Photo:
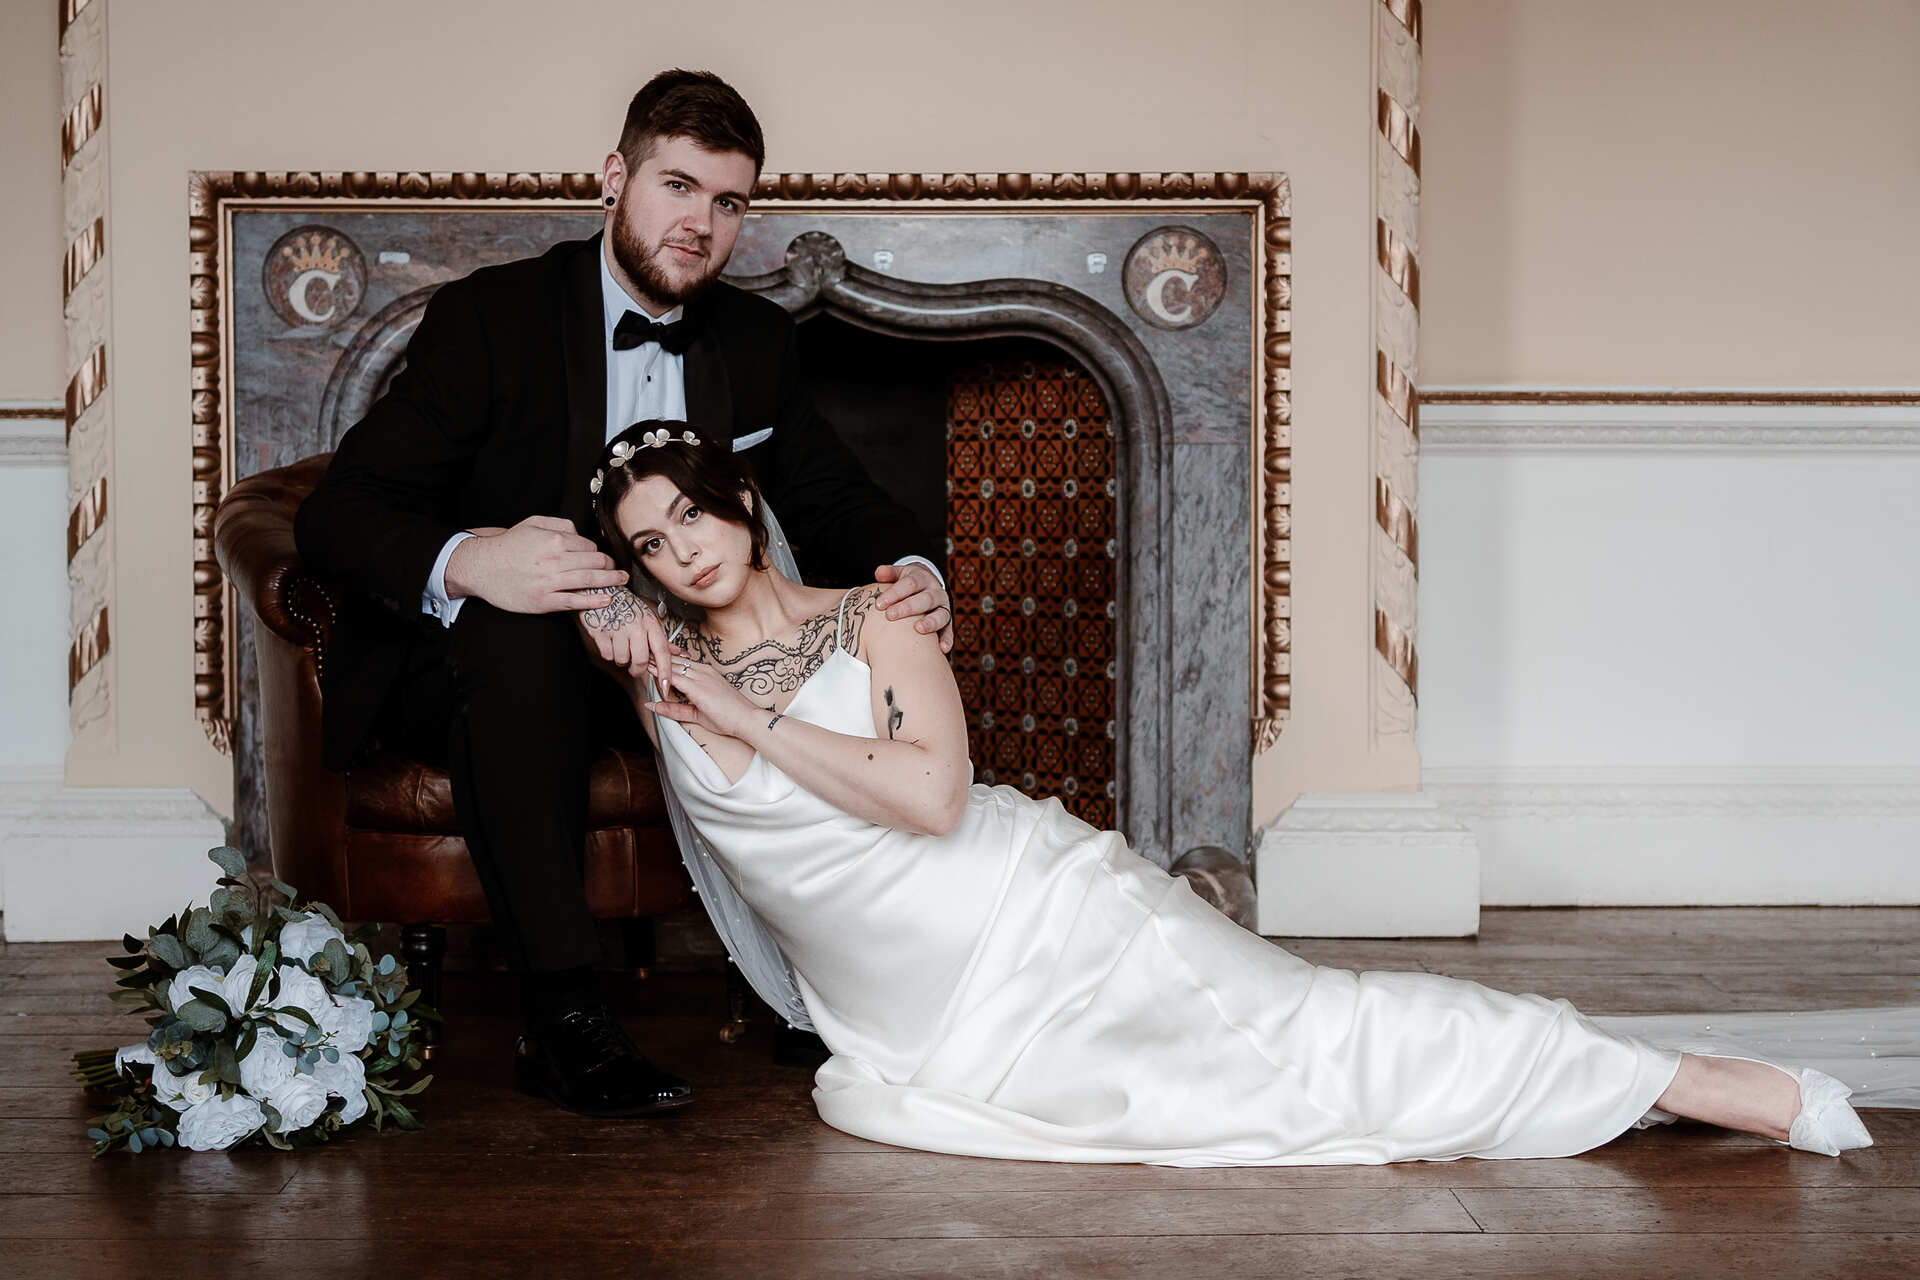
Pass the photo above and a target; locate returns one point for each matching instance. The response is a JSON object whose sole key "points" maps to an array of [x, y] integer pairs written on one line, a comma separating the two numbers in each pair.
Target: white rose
{"points": [[266, 1065], [181, 1092], [299, 1100], [302, 990], [350, 1023], [197, 976], [346, 1079], [132, 1053], [217, 1123], [307, 937], [238, 985]]}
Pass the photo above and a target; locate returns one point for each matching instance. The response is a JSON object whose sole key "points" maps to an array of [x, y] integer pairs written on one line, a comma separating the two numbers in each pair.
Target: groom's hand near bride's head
{"points": [[541, 565], [912, 589]]}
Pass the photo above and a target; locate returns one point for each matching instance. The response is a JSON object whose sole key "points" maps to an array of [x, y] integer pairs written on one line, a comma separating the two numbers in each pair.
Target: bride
{"points": [[995, 977]]}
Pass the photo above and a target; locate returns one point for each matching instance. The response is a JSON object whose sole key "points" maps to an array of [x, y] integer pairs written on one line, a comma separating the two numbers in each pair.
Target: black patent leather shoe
{"points": [[585, 1063]]}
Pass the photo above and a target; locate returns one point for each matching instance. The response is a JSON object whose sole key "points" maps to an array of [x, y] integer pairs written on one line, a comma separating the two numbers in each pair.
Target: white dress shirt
{"points": [[643, 382]]}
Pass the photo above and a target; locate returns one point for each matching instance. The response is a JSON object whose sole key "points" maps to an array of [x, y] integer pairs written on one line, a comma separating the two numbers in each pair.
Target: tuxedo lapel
{"points": [[709, 394], [584, 339]]}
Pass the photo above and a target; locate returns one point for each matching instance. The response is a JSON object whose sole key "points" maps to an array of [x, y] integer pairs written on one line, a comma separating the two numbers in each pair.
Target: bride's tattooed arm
{"points": [[621, 609], [911, 779]]}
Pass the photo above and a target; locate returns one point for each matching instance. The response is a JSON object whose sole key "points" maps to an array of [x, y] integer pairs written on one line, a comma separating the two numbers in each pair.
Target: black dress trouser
{"points": [[515, 709]]}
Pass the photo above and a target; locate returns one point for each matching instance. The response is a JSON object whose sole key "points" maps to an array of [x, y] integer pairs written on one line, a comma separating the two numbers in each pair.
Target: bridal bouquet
{"points": [[268, 1022]]}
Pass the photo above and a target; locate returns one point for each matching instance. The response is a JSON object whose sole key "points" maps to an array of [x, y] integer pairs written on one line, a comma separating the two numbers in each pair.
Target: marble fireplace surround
{"points": [[1171, 728]]}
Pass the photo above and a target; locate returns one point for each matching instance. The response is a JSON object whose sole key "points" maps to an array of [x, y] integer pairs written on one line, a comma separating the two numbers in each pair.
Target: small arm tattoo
{"points": [[895, 716], [622, 607], [778, 716]]}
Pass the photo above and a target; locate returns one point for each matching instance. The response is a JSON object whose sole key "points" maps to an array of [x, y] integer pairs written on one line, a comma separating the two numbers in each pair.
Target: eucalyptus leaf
{"points": [[288, 914], [98, 1135], [295, 1011], [213, 998], [226, 1062], [222, 954], [133, 1142], [284, 889], [133, 945], [413, 1088], [230, 860], [169, 951], [402, 1115], [126, 962], [199, 933], [140, 997], [202, 1016], [327, 912]]}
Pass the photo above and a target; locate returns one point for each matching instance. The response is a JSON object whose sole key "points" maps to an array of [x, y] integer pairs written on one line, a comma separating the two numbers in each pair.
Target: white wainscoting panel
{"points": [[1671, 653]]}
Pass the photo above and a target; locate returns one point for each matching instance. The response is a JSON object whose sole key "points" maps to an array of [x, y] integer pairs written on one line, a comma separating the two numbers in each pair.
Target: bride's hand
{"points": [[710, 701]]}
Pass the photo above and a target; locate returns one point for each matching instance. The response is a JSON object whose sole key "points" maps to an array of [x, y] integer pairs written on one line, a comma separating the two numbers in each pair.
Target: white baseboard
{"points": [[1367, 866], [1690, 837], [92, 863]]}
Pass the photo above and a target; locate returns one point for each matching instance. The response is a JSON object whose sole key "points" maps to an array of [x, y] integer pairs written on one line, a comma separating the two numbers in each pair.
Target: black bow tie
{"points": [[635, 329]]}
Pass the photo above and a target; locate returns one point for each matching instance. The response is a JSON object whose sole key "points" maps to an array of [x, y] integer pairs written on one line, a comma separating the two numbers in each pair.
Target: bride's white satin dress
{"points": [[1028, 987]]}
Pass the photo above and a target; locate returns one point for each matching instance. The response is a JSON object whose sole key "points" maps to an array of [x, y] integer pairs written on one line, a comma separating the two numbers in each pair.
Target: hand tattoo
{"points": [[622, 607]]}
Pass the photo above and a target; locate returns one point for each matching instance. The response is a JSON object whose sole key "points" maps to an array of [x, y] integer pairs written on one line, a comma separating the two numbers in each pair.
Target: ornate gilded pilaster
{"points": [[1395, 681], [83, 154]]}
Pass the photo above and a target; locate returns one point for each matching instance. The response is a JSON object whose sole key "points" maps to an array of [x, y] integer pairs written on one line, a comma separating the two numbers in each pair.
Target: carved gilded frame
{"points": [[213, 196]]}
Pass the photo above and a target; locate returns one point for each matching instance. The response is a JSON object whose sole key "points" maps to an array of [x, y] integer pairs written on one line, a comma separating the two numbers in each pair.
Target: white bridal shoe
{"points": [[1826, 1123]]}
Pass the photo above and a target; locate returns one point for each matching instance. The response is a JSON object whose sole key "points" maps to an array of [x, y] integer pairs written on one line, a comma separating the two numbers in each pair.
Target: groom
{"points": [[460, 503]]}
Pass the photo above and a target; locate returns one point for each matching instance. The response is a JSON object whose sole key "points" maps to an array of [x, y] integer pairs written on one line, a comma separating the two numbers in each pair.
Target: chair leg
{"points": [[638, 941], [738, 996], [423, 947]]}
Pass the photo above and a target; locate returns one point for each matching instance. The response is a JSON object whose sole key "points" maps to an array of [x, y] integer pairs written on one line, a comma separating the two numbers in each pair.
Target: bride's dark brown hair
{"points": [[708, 471]]}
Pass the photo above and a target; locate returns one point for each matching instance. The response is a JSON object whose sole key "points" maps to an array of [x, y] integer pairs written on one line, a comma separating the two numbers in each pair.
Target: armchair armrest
{"points": [[253, 541]]}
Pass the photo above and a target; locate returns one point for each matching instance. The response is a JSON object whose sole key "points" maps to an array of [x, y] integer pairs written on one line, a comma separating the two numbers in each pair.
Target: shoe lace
{"points": [[599, 1035]]}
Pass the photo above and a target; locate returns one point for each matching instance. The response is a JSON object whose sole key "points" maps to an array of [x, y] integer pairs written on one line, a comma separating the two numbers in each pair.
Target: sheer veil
{"points": [[748, 943], [1875, 1052]]}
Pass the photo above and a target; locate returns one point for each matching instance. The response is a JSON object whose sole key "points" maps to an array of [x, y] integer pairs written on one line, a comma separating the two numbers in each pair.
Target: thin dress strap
{"points": [[839, 619]]}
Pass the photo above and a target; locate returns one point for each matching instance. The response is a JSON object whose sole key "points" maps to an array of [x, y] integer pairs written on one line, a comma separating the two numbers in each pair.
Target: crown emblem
{"points": [[313, 252], [1174, 251]]}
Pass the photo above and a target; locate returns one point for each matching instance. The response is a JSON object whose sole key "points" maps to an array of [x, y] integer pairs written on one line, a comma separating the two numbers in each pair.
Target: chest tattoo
{"points": [[765, 671]]}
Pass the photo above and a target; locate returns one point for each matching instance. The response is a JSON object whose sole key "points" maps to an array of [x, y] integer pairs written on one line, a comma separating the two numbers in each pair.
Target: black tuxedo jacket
{"points": [[500, 414]]}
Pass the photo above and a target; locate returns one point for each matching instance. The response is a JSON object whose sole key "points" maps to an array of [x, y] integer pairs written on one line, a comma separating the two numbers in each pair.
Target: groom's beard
{"points": [[643, 265]]}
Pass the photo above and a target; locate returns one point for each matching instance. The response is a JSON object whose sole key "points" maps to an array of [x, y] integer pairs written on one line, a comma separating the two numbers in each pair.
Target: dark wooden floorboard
{"points": [[750, 1182]]}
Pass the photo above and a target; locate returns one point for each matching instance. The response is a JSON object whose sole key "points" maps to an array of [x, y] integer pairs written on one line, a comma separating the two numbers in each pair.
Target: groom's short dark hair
{"points": [[690, 104]]}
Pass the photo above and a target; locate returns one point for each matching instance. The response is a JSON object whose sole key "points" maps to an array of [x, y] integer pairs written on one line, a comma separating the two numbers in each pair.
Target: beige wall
{"points": [[997, 85], [33, 343], [1634, 194], [1642, 193]]}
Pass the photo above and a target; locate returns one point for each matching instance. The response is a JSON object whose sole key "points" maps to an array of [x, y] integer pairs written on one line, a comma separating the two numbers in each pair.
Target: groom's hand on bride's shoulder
{"points": [[911, 589]]}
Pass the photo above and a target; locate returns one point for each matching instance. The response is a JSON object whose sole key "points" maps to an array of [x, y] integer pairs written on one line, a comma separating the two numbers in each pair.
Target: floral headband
{"points": [[624, 450]]}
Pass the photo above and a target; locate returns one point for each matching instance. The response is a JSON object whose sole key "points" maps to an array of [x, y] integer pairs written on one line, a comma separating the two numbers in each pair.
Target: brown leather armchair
{"points": [[381, 841]]}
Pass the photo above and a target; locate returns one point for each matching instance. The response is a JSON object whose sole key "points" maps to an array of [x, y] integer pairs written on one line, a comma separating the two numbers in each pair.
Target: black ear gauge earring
{"points": [[609, 202]]}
